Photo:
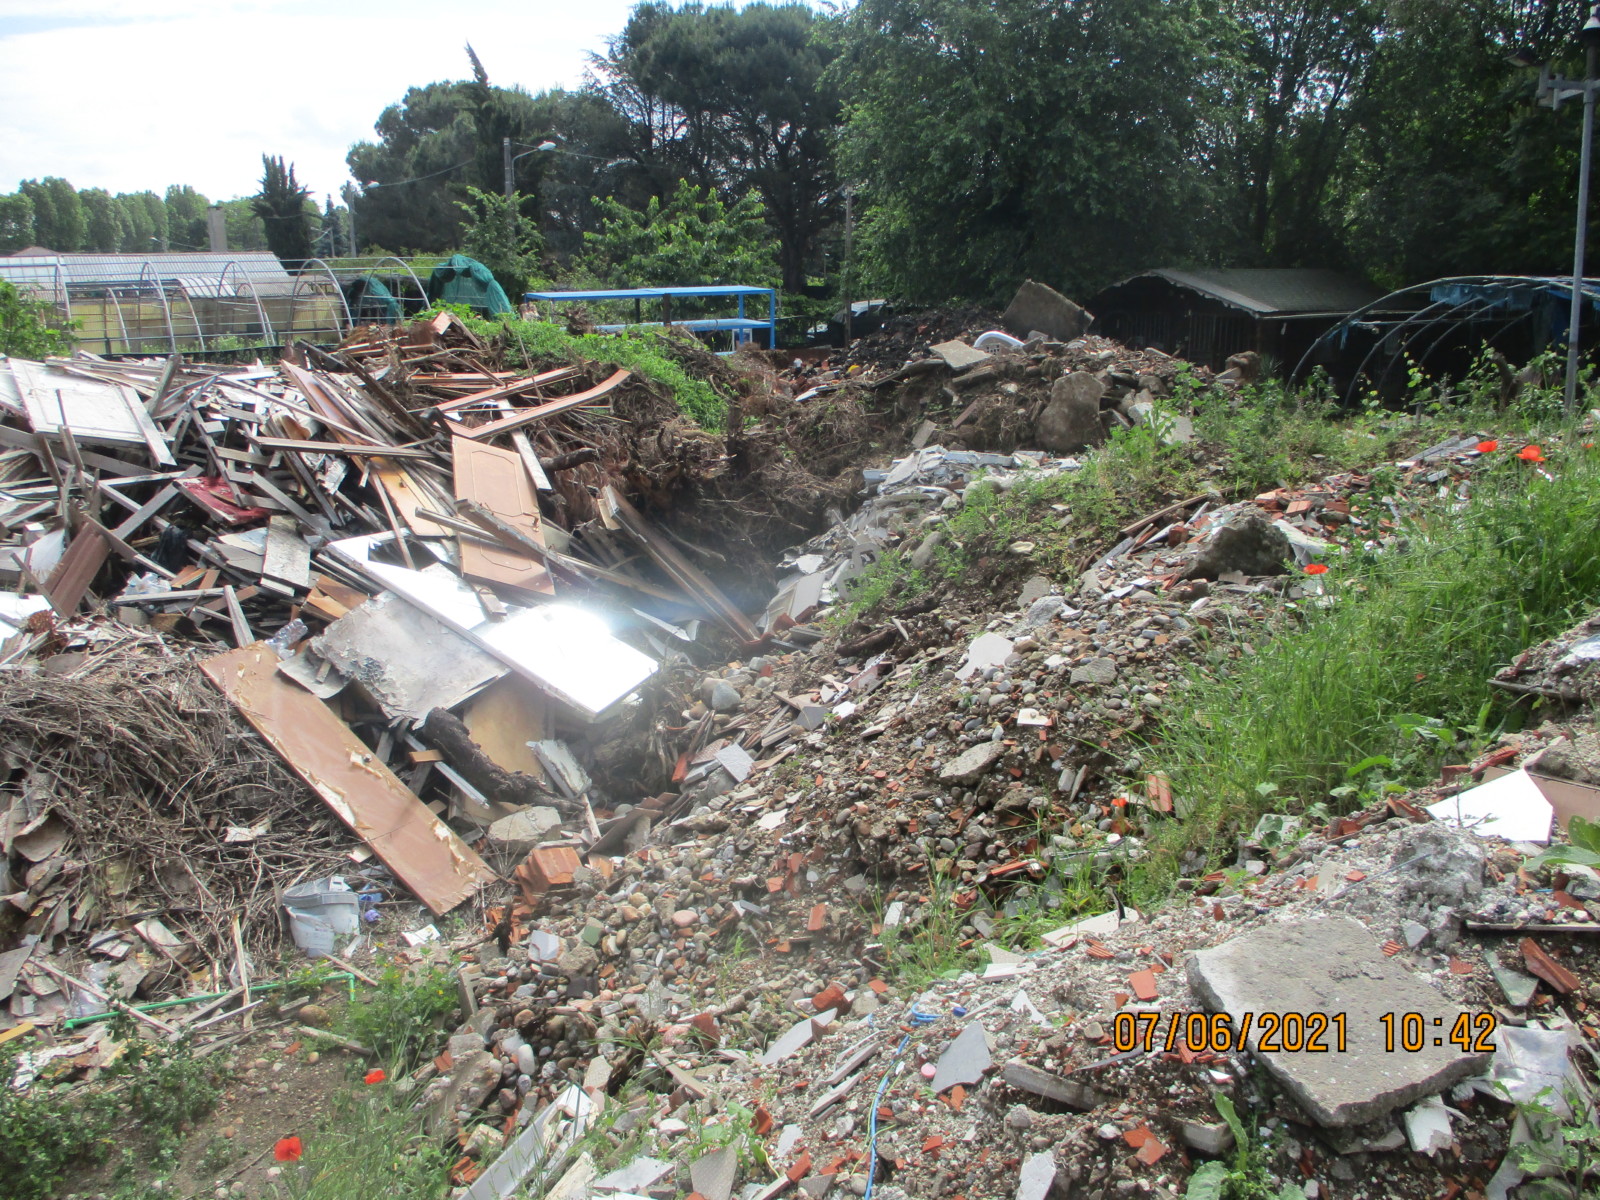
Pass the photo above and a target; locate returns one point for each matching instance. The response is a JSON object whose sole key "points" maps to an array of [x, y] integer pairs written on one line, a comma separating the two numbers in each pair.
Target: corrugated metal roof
{"points": [[1273, 291]]}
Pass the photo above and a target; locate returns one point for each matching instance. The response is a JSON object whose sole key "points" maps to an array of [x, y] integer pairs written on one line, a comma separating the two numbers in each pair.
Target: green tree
{"points": [[281, 205], [1453, 168], [25, 326], [995, 141], [58, 220], [186, 217], [692, 239], [736, 99], [497, 234], [16, 222], [243, 226], [104, 225]]}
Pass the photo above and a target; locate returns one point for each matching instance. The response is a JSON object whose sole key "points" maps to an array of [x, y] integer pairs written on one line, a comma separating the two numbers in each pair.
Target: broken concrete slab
{"points": [[959, 356], [1041, 308], [1333, 966], [964, 1060], [972, 764]]}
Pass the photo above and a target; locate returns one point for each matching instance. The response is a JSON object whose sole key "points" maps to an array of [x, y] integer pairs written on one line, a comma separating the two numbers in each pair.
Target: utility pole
{"points": [[1552, 91], [505, 154]]}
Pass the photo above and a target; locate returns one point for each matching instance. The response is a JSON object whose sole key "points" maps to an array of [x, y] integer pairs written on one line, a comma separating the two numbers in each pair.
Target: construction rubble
{"points": [[399, 648]]}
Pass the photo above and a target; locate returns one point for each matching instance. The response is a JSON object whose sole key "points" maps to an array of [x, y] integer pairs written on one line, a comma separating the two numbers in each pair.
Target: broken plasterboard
{"points": [[564, 649], [1510, 807], [406, 660], [95, 411], [421, 850], [498, 480], [504, 718]]}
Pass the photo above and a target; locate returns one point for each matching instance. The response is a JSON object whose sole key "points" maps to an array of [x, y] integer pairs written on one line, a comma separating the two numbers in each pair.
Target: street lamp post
{"points": [[510, 161], [1553, 91]]}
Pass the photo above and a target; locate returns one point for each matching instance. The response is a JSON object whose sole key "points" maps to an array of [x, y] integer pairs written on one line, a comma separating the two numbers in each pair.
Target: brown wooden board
{"points": [[539, 412], [497, 480], [76, 570], [421, 850]]}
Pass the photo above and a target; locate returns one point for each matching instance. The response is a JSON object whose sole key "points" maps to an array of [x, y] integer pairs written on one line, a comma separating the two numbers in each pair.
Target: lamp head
{"points": [[1590, 36]]}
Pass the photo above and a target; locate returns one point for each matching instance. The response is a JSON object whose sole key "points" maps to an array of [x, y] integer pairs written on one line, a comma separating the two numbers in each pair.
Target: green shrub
{"points": [[403, 1018]]}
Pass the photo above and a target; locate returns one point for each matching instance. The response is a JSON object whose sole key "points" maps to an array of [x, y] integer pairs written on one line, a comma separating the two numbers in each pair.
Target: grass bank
{"points": [[1390, 677]]}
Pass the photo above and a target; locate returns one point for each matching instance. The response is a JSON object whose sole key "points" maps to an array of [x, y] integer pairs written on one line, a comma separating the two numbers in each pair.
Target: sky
{"points": [[133, 95]]}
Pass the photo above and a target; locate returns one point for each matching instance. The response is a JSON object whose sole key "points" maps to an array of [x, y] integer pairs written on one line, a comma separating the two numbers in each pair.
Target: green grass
{"points": [[371, 1148], [1393, 674]]}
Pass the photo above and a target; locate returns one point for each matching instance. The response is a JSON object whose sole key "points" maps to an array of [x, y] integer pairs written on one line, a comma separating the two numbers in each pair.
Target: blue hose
{"points": [[872, 1121]]}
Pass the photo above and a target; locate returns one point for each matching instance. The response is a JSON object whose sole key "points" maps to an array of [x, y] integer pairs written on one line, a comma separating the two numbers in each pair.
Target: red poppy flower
{"points": [[1488, 447], [376, 1075], [1531, 454], [1317, 569], [287, 1150]]}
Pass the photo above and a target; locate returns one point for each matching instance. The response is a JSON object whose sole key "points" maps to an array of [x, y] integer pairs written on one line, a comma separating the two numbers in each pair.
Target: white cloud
{"points": [[195, 91]]}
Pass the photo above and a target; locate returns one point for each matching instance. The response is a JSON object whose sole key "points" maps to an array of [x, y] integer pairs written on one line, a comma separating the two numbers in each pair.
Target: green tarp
{"points": [[463, 280]]}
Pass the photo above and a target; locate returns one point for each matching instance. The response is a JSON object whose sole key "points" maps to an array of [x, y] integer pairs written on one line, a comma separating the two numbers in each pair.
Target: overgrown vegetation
{"points": [[403, 1018], [140, 1107], [1413, 635], [644, 351]]}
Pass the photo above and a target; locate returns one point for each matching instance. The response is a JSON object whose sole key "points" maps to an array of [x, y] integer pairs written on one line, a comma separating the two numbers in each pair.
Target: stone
{"points": [[315, 1014], [972, 764], [816, 1186], [1099, 671], [712, 1175], [1020, 1118], [1040, 613], [1175, 429], [1250, 545], [1414, 932], [1211, 1140], [523, 830], [1071, 421], [483, 1140], [1026, 1078], [797, 1038], [959, 356], [1037, 307], [964, 1060], [721, 696], [923, 554], [1518, 988], [1332, 965]]}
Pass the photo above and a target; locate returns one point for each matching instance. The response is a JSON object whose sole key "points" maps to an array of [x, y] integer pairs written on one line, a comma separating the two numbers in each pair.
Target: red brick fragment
{"points": [[1143, 984]]}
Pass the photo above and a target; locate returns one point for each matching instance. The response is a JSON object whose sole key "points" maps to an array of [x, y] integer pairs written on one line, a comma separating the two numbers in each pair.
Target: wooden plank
{"points": [[498, 480], [278, 443], [505, 392], [529, 415], [288, 558], [408, 499], [423, 852], [76, 570], [242, 635]]}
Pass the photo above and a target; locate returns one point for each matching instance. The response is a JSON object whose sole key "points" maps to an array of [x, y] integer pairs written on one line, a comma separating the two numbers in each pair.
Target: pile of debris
{"points": [[467, 613]]}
